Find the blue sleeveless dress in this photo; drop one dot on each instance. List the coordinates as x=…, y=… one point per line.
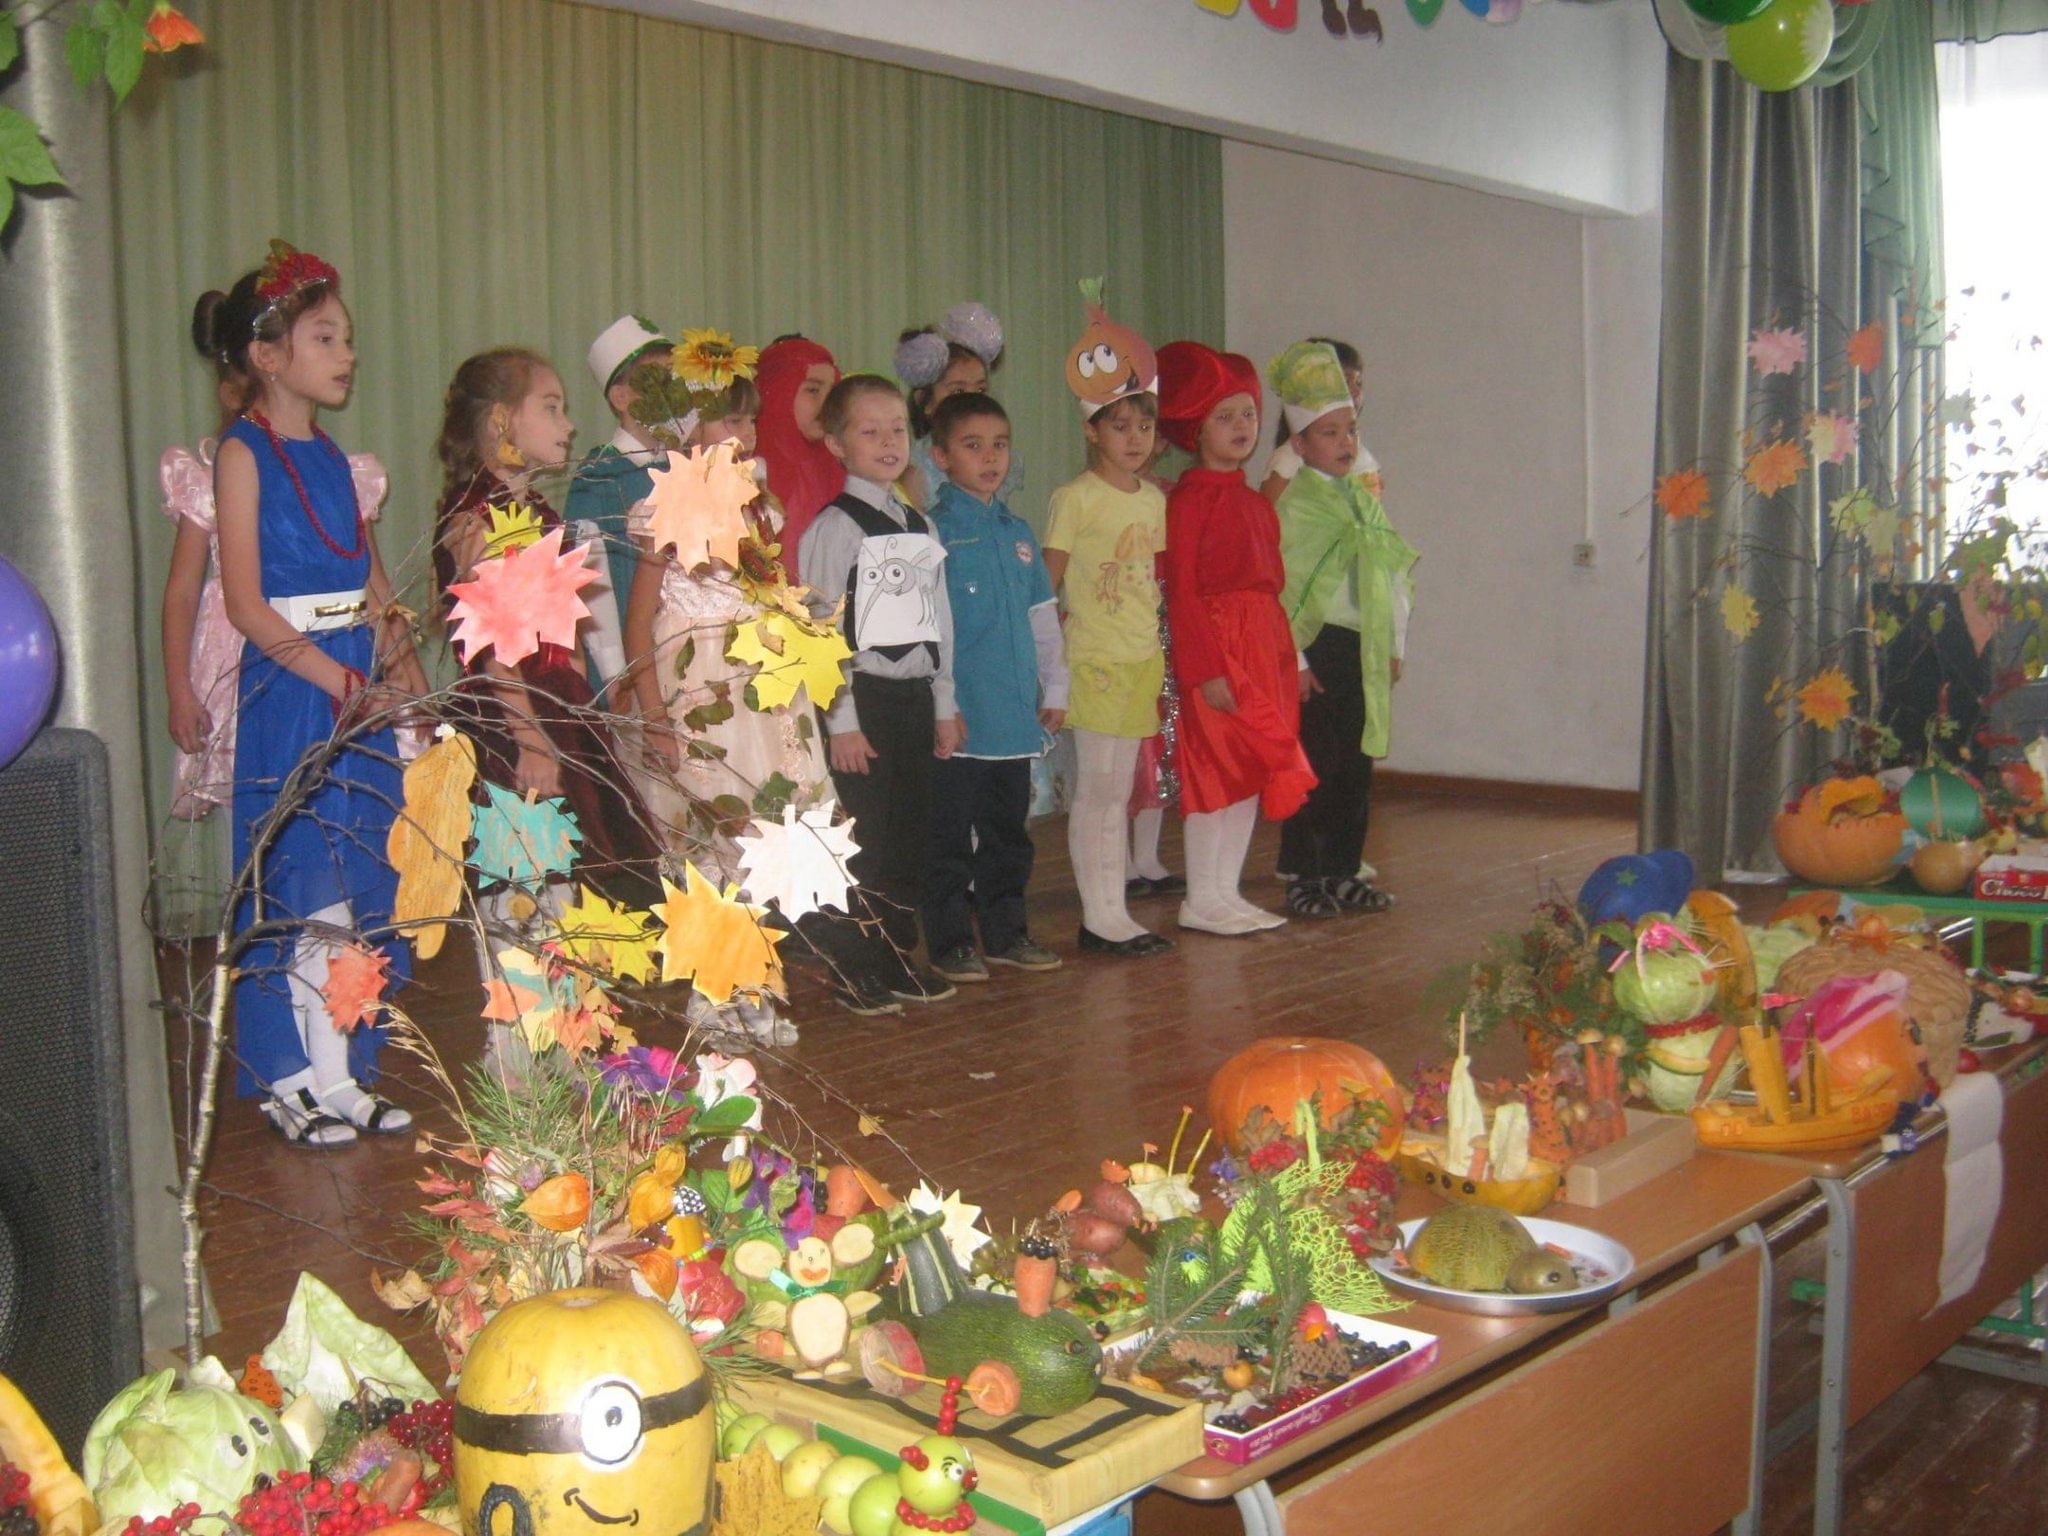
x=331, y=848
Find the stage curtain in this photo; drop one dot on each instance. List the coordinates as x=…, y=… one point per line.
x=487, y=171
x=1771, y=203
x=1981, y=21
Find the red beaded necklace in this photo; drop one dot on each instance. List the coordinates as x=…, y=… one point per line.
x=259, y=420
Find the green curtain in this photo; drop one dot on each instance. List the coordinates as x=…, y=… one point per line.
x=1979, y=21
x=487, y=171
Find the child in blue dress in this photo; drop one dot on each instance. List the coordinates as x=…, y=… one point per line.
x=1010, y=687
x=326, y=656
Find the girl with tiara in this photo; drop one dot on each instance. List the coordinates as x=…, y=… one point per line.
x=954, y=357
x=326, y=657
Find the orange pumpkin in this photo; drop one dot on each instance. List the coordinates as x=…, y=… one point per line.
x=1278, y=1073
x=1840, y=834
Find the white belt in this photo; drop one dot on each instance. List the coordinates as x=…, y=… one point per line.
x=312, y=611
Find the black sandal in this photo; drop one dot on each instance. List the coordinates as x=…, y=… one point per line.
x=1313, y=898
x=1355, y=895
x=304, y=1122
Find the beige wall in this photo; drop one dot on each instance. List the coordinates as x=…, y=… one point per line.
x=1494, y=332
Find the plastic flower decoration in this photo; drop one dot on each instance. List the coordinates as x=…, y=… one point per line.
x=708, y=360
x=168, y=29
x=720, y=1078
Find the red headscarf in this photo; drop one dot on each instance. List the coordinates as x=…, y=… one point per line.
x=803, y=475
x=1193, y=381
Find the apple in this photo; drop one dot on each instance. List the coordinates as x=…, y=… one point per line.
x=937, y=1487
x=837, y=1488
x=739, y=1434
x=872, y=1509
x=781, y=1439
x=802, y=1467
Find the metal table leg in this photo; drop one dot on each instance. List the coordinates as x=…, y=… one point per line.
x=1260, y=1511
x=1831, y=1433
x=1750, y=1521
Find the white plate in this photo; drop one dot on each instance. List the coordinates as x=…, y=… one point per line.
x=1601, y=1263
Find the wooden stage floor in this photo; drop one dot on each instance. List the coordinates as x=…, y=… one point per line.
x=1013, y=1091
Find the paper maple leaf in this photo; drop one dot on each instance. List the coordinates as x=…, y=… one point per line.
x=1825, y=698
x=698, y=505
x=1770, y=469
x=355, y=985
x=426, y=840
x=1682, y=494
x=1738, y=611
x=714, y=941
x=546, y=1003
x=520, y=841
x=798, y=863
x=1865, y=349
x=605, y=935
x=957, y=1224
x=791, y=654
x=521, y=600
x=1858, y=513
x=1832, y=437
x=1777, y=351
x=513, y=526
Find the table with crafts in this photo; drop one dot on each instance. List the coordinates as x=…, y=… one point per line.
x=1562, y=1412
x=1883, y=1316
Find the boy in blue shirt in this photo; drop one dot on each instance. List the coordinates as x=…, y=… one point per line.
x=1010, y=690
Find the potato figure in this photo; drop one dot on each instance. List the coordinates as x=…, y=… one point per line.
x=582, y=1411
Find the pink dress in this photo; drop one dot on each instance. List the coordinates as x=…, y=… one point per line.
x=207, y=778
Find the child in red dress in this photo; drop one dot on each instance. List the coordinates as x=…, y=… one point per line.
x=1240, y=750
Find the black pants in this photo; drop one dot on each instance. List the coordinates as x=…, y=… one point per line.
x=891, y=809
x=981, y=853
x=1325, y=839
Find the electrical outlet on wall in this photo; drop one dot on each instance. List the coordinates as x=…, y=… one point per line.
x=1583, y=555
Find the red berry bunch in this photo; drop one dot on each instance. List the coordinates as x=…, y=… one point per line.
x=16, y=1517
x=176, y=1523
x=300, y=1504
x=429, y=1429
x=1273, y=1156
x=1372, y=1173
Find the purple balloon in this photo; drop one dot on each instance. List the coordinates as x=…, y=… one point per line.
x=28, y=662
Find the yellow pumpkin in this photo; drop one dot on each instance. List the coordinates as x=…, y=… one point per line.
x=1719, y=926
x=56, y=1494
x=580, y=1412
x=1840, y=834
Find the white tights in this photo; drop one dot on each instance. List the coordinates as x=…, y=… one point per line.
x=1145, y=828
x=1095, y=831
x=1217, y=842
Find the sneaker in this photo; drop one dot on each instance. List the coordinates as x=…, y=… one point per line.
x=1027, y=954
x=918, y=985
x=961, y=964
x=866, y=996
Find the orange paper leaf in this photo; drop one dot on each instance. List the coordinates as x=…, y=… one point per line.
x=355, y=985
x=714, y=941
x=1865, y=349
x=698, y=505
x=428, y=837
x=1682, y=494
x=1770, y=469
x=1825, y=698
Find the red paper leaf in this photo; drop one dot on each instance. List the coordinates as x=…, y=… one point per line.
x=520, y=601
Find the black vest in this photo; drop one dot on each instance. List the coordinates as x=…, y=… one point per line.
x=877, y=524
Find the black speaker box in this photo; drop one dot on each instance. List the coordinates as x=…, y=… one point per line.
x=70, y=1324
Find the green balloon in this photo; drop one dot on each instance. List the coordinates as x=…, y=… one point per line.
x=1784, y=44
x=1725, y=13
x=1937, y=803
x=1424, y=11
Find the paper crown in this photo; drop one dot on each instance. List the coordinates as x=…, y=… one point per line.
x=1110, y=361
x=1193, y=381
x=1309, y=381
x=618, y=344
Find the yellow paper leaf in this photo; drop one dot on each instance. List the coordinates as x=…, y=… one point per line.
x=427, y=839
x=870, y=1126
x=714, y=941
x=698, y=505
x=1738, y=611
x=513, y=526
x=791, y=653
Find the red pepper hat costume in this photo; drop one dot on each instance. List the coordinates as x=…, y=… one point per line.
x=1193, y=381
x=803, y=474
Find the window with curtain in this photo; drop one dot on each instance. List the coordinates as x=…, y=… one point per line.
x=489, y=171
x=1994, y=117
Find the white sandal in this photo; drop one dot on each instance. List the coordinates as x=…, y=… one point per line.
x=359, y=1108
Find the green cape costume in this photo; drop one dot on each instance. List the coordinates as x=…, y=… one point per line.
x=1330, y=529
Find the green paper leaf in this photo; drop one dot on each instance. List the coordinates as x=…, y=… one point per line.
x=125, y=39
x=24, y=157
x=10, y=39
x=85, y=50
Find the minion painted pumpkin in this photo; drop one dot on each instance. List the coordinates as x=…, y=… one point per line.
x=583, y=1412
x=1110, y=361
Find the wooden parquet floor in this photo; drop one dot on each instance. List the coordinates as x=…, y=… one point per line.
x=1015, y=1090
